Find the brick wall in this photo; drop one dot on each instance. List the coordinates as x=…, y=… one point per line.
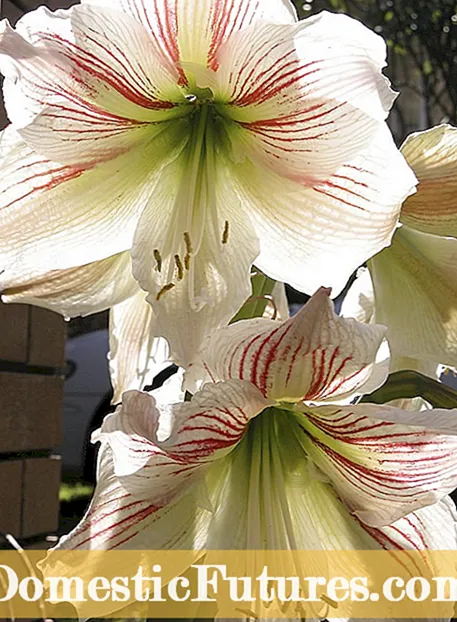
x=31, y=391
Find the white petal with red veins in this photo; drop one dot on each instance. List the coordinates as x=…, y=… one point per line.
x=332, y=227
x=307, y=98
x=383, y=470
x=433, y=527
x=84, y=83
x=117, y=519
x=313, y=356
x=172, y=23
x=55, y=217
x=202, y=431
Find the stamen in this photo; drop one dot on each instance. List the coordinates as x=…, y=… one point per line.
x=188, y=242
x=179, y=267
x=329, y=601
x=189, y=249
x=225, y=233
x=158, y=258
x=164, y=290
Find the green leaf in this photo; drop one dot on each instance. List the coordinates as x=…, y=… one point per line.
x=409, y=384
x=388, y=16
x=256, y=304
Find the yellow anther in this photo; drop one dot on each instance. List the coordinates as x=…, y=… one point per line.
x=187, y=242
x=225, y=233
x=158, y=258
x=164, y=290
x=187, y=261
x=179, y=267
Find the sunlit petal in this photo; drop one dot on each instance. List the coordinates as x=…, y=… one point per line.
x=136, y=355
x=433, y=157
x=433, y=527
x=46, y=225
x=313, y=356
x=117, y=519
x=415, y=291
x=193, y=252
x=76, y=291
x=298, y=91
x=202, y=431
x=331, y=228
x=383, y=462
x=172, y=23
x=84, y=85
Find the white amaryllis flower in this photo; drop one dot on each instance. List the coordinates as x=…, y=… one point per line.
x=197, y=137
x=251, y=462
x=411, y=286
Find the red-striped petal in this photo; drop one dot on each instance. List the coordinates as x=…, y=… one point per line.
x=309, y=97
x=382, y=470
x=202, y=431
x=117, y=519
x=333, y=227
x=84, y=85
x=313, y=356
x=195, y=31
x=433, y=527
x=52, y=215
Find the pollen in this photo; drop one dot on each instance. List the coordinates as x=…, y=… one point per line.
x=187, y=261
x=225, y=233
x=164, y=290
x=158, y=258
x=179, y=267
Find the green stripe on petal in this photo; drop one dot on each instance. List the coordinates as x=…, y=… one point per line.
x=381, y=464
